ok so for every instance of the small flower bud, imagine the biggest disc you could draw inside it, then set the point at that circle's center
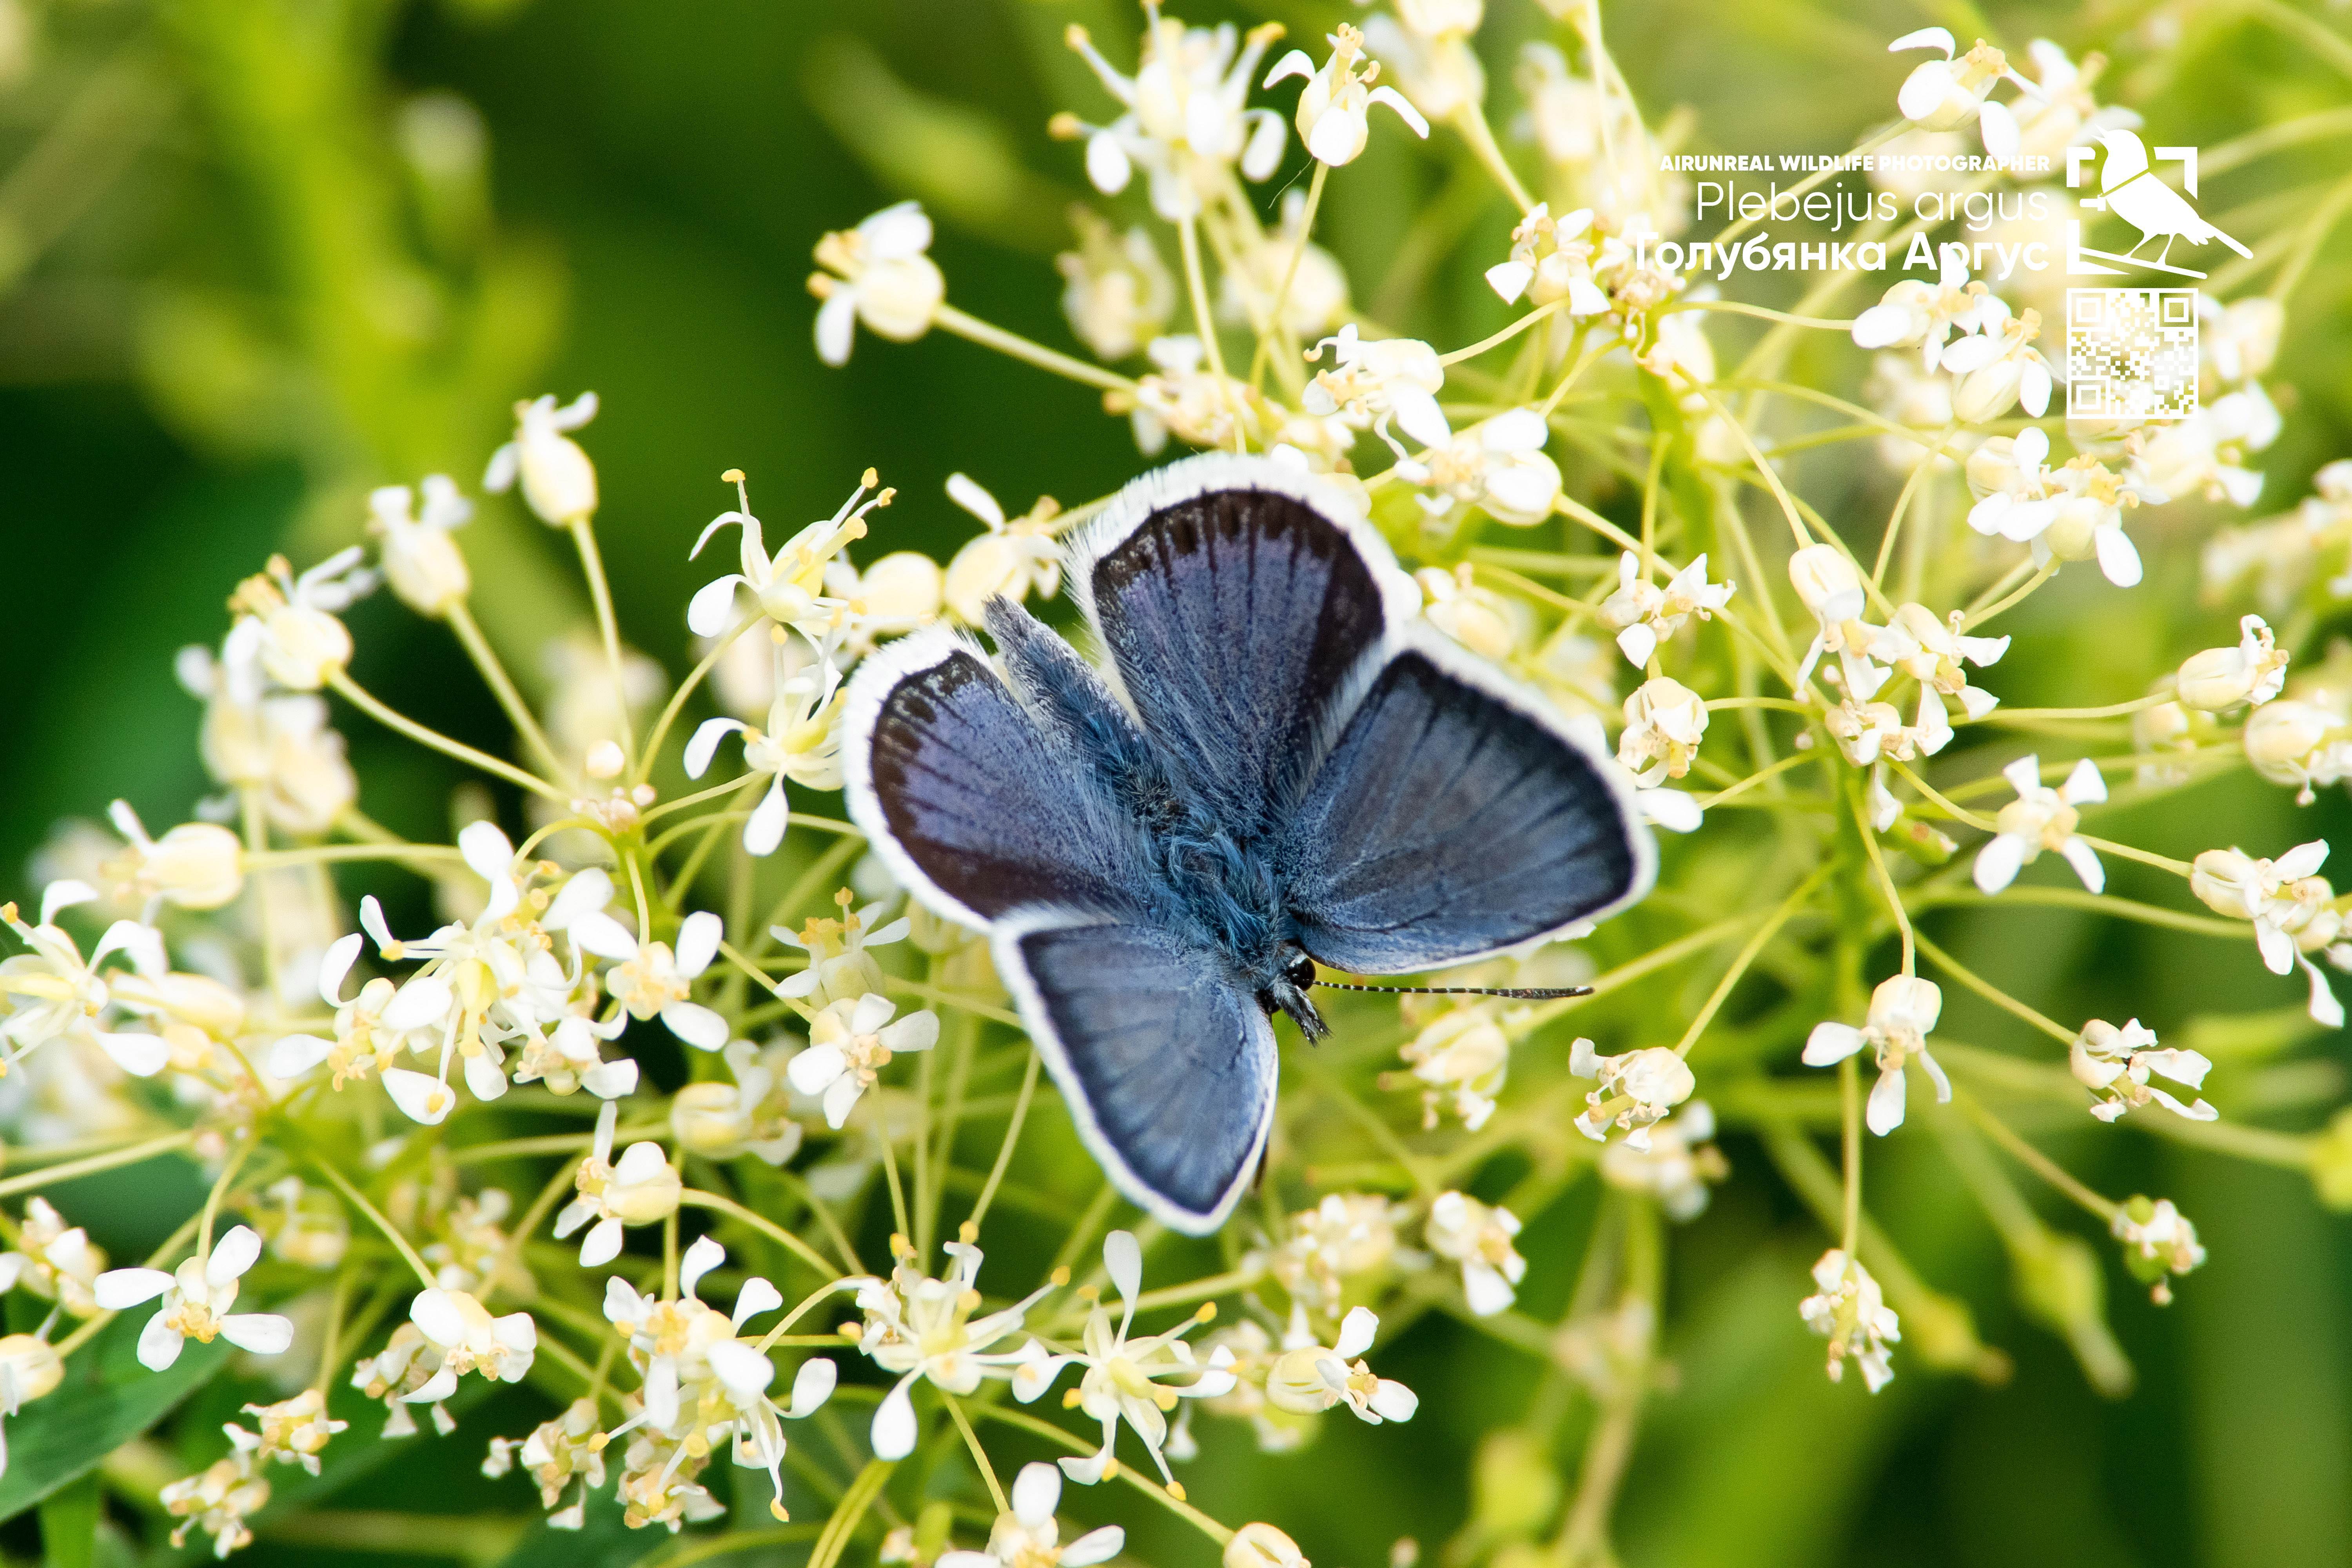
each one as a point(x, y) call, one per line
point(1829, 585)
point(1263, 1546)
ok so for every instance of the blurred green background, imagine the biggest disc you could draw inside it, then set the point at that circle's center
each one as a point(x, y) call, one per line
point(257, 256)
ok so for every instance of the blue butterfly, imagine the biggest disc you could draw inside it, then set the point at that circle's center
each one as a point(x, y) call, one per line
point(1282, 764)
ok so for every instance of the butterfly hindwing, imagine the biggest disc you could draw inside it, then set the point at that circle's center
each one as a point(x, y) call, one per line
point(1238, 606)
point(1451, 819)
point(1168, 1066)
point(962, 792)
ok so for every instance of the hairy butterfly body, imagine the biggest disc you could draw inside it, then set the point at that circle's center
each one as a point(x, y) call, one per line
point(1279, 764)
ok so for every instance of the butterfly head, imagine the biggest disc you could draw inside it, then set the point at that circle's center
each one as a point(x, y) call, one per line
point(1288, 994)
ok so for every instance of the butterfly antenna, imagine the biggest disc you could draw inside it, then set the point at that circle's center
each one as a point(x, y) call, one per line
point(1515, 994)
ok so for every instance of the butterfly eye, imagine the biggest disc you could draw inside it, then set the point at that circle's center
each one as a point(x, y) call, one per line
point(1300, 972)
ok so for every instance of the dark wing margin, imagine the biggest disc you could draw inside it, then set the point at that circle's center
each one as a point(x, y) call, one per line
point(1169, 1068)
point(1238, 601)
point(1455, 818)
point(960, 793)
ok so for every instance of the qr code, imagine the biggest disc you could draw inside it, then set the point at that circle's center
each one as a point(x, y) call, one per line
point(2131, 354)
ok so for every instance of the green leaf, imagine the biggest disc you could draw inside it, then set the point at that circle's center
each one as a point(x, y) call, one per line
point(69, 1524)
point(107, 1399)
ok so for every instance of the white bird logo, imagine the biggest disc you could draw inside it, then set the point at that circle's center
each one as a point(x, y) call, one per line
point(2129, 188)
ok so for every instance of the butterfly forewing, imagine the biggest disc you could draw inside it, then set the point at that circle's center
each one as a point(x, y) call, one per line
point(1450, 820)
point(958, 787)
point(1236, 612)
point(1169, 1069)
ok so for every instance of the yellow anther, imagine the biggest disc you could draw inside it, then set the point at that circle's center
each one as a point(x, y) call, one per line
point(732, 477)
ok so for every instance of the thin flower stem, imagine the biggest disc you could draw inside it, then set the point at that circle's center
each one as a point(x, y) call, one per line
point(1740, 307)
point(2112, 711)
point(974, 329)
point(1794, 758)
point(693, 1197)
point(1746, 957)
point(1627, 972)
point(130, 1156)
point(879, 1124)
point(677, 703)
point(2144, 856)
point(669, 1256)
point(850, 1513)
point(972, 1441)
point(808, 1304)
point(2035, 1159)
point(367, 702)
point(1994, 994)
point(1957, 812)
point(1770, 475)
point(323, 854)
point(1540, 313)
point(1902, 503)
point(1471, 122)
point(1976, 617)
point(1885, 880)
point(1783, 704)
point(700, 795)
point(494, 675)
point(1850, 1153)
point(375, 1217)
point(1005, 1150)
point(338, 1304)
point(528, 1226)
point(2088, 902)
point(205, 1220)
point(608, 626)
point(1196, 285)
point(957, 1000)
point(1027, 1422)
point(1273, 328)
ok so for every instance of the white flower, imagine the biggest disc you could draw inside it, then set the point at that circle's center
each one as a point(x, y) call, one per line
point(1347, 1236)
point(52, 1261)
point(1914, 313)
point(216, 1499)
point(1665, 721)
point(2158, 1242)
point(196, 1299)
point(1676, 1167)
point(1487, 623)
point(1851, 1313)
point(285, 629)
point(2114, 1065)
point(293, 1431)
point(2018, 495)
point(840, 969)
point(879, 274)
point(1478, 1237)
point(280, 745)
point(469, 1340)
point(2042, 818)
point(558, 482)
point(2222, 677)
point(195, 866)
point(1946, 94)
point(1116, 291)
point(2291, 741)
point(2290, 905)
point(2085, 517)
point(1317, 299)
point(802, 742)
point(1498, 468)
point(2061, 113)
point(1026, 1535)
point(1427, 43)
point(2000, 368)
point(1903, 1012)
point(1306, 1378)
point(752, 1116)
point(703, 1381)
point(1643, 615)
point(1552, 260)
point(1463, 1053)
point(1129, 1375)
point(641, 1188)
point(1335, 106)
point(1261, 1545)
point(789, 585)
point(1829, 585)
point(1184, 121)
point(420, 562)
point(1637, 1089)
point(2205, 454)
point(1933, 651)
point(1013, 557)
point(849, 1044)
point(650, 980)
point(54, 994)
point(923, 1327)
point(1374, 379)
point(29, 1369)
